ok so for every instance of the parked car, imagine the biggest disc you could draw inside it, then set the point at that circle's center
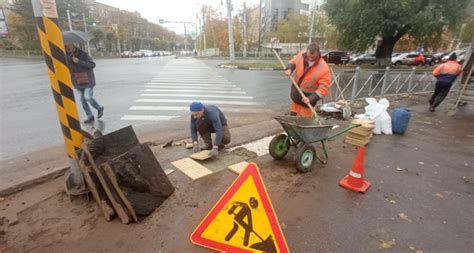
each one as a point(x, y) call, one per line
point(438, 57)
point(137, 54)
point(126, 54)
point(148, 53)
point(429, 60)
point(461, 54)
point(364, 58)
point(398, 59)
point(412, 59)
point(336, 57)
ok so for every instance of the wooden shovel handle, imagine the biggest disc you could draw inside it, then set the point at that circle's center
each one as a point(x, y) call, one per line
point(296, 85)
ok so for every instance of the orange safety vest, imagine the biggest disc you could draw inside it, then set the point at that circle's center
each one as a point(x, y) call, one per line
point(317, 80)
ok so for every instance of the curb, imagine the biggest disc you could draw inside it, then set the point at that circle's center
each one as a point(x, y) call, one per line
point(54, 173)
point(224, 66)
point(57, 172)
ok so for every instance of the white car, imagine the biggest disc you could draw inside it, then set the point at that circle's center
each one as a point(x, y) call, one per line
point(398, 59)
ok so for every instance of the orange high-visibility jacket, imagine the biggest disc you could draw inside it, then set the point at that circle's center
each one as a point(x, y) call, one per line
point(317, 80)
point(448, 71)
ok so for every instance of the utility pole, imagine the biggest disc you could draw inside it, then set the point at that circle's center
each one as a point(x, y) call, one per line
point(245, 30)
point(204, 28)
point(69, 19)
point(259, 25)
point(312, 23)
point(85, 30)
point(231, 32)
point(185, 48)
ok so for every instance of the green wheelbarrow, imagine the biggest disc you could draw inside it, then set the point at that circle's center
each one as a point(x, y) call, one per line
point(302, 133)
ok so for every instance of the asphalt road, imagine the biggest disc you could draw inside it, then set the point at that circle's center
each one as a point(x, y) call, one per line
point(143, 92)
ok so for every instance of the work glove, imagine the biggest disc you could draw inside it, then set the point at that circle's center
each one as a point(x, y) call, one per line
point(196, 148)
point(214, 152)
point(314, 98)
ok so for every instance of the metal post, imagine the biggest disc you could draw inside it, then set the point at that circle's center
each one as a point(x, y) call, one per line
point(185, 47)
point(85, 30)
point(245, 30)
point(410, 80)
point(231, 32)
point(312, 23)
point(54, 54)
point(259, 25)
point(204, 28)
point(69, 19)
point(356, 83)
point(385, 81)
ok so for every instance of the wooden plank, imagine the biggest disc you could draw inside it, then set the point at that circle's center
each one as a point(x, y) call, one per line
point(356, 142)
point(96, 189)
point(359, 137)
point(113, 179)
point(191, 168)
point(203, 155)
point(238, 167)
point(361, 131)
point(142, 181)
point(113, 196)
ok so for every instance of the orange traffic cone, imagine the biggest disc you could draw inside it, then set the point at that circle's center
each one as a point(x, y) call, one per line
point(355, 180)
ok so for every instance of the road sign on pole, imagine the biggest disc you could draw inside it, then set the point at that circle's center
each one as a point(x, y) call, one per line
point(243, 220)
point(54, 54)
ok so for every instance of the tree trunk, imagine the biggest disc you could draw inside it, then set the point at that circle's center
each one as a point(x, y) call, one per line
point(383, 53)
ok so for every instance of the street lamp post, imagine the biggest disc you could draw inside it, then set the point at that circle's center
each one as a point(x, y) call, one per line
point(231, 32)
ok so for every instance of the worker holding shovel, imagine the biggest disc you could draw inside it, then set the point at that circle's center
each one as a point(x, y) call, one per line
point(312, 75)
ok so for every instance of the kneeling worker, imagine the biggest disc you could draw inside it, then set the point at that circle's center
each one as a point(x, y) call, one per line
point(206, 120)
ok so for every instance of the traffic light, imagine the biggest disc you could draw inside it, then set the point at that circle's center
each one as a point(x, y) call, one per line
point(94, 24)
point(87, 17)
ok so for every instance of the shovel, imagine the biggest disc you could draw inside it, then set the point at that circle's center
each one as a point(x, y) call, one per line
point(454, 110)
point(315, 115)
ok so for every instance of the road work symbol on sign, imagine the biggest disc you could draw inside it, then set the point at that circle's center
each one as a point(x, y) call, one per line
point(243, 220)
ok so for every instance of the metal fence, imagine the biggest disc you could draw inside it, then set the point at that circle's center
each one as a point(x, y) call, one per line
point(358, 83)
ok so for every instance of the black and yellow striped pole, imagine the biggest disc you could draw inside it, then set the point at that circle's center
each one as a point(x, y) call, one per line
point(61, 85)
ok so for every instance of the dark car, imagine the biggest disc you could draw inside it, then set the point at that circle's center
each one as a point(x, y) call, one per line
point(430, 60)
point(364, 58)
point(439, 56)
point(336, 57)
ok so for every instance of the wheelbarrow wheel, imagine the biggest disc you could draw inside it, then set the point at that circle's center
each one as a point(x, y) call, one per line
point(304, 158)
point(279, 146)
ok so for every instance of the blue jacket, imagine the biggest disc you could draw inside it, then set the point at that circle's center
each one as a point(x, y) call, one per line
point(214, 117)
point(85, 64)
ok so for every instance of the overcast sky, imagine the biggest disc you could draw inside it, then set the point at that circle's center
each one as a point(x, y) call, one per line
point(173, 10)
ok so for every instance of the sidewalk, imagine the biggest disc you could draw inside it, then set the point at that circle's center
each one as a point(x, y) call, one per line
point(420, 198)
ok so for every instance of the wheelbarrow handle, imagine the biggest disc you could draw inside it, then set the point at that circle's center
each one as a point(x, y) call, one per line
point(297, 87)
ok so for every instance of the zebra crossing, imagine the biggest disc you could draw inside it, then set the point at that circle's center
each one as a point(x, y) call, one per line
point(168, 95)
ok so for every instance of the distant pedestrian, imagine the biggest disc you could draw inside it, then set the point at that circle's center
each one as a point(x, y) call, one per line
point(445, 74)
point(82, 74)
point(312, 75)
point(206, 120)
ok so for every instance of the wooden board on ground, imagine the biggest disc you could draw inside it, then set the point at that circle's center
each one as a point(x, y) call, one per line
point(142, 182)
point(361, 131)
point(97, 190)
point(358, 137)
point(355, 142)
point(238, 167)
point(203, 155)
point(365, 123)
point(191, 168)
point(114, 181)
point(117, 203)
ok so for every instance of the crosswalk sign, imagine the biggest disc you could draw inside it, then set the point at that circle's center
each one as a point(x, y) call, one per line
point(243, 220)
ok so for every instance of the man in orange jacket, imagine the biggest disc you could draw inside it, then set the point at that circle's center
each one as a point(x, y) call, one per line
point(446, 74)
point(312, 75)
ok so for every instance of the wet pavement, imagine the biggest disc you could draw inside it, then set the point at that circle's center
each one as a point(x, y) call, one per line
point(421, 198)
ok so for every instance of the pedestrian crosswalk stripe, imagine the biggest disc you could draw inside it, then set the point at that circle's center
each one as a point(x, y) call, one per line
point(193, 84)
point(205, 91)
point(186, 108)
point(147, 117)
point(197, 96)
point(184, 87)
point(188, 101)
point(189, 81)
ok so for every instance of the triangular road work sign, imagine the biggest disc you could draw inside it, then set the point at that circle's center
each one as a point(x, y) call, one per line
point(243, 220)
